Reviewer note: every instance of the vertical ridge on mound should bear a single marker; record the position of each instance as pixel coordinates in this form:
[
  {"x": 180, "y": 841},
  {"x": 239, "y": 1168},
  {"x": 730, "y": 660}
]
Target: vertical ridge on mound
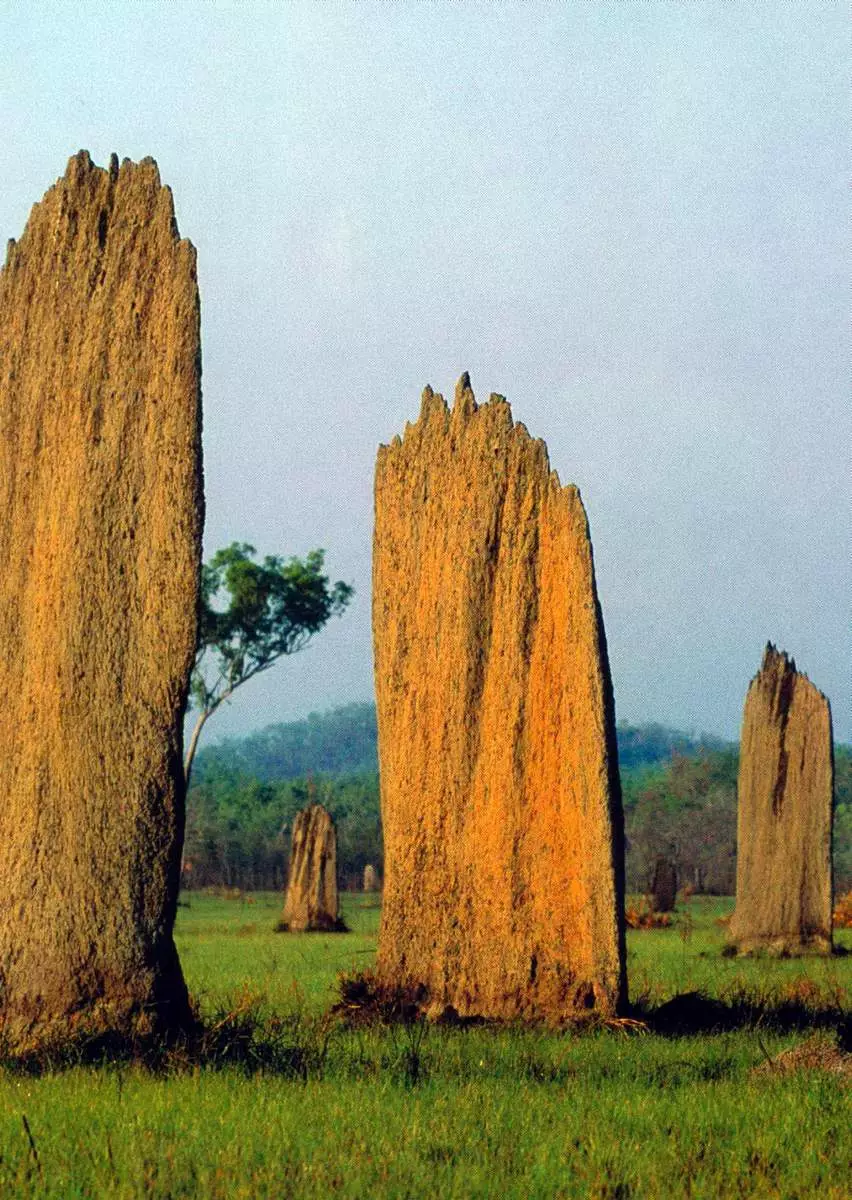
[
  {"x": 501, "y": 805},
  {"x": 101, "y": 513},
  {"x": 784, "y": 821}
]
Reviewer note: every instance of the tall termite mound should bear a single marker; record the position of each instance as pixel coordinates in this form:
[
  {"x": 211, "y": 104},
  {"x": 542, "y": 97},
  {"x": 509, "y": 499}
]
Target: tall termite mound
[
  {"x": 784, "y": 821},
  {"x": 100, "y": 541},
  {"x": 311, "y": 901},
  {"x": 501, "y": 804}
]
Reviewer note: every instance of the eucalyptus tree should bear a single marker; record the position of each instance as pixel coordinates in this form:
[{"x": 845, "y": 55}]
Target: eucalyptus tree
[{"x": 252, "y": 613}]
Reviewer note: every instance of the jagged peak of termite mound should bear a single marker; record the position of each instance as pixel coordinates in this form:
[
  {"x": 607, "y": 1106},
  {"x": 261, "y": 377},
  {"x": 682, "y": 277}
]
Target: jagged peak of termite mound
[
  {"x": 495, "y": 417},
  {"x": 784, "y": 823},
  {"x": 500, "y": 797},
  {"x": 100, "y": 542},
  {"x": 73, "y": 221}
]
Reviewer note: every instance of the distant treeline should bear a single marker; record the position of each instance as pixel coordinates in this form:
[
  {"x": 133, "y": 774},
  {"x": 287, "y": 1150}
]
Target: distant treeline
[{"x": 679, "y": 800}]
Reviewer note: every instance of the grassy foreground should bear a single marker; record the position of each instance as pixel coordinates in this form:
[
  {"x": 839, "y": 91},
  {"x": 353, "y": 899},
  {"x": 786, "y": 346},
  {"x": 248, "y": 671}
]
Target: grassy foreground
[{"x": 426, "y": 1111}]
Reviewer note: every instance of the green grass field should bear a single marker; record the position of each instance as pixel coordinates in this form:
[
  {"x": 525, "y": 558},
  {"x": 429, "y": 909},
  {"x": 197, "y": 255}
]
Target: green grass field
[{"x": 431, "y": 1111}]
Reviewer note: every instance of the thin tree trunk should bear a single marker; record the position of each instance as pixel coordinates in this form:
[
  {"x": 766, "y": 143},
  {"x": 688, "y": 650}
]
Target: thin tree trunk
[
  {"x": 203, "y": 717},
  {"x": 193, "y": 745},
  {"x": 187, "y": 771}
]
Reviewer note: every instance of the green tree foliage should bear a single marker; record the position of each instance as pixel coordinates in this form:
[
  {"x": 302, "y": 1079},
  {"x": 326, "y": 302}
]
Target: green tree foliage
[
  {"x": 251, "y": 614},
  {"x": 685, "y": 809},
  {"x": 247, "y": 792},
  {"x": 644, "y": 745},
  {"x": 842, "y": 820}
]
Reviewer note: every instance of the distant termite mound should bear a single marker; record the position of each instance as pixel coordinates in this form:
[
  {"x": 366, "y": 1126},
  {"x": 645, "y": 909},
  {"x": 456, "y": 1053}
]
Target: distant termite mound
[
  {"x": 663, "y": 890},
  {"x": 785, "y": 789},
  {"x": 501, "y": 804},
  {"x": 311, "y": 901},
  {"x": 100, "y": 542},
  {"x": 371, "y": 879}
]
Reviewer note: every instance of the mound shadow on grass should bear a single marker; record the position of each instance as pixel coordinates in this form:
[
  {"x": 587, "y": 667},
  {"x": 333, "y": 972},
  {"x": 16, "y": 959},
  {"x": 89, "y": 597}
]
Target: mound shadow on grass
[
  {"x": 693, "y": 1013},
  {"x": 249, "y": 1036},
  {"x": 327, "y": 926},
  {"x": 246, "y": 1036},
  {"x": 365, "y": 1001}
]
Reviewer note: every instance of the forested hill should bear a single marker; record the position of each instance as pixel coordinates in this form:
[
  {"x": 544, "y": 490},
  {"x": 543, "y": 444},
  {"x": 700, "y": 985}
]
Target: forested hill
[{"x": 343, "y": 741}]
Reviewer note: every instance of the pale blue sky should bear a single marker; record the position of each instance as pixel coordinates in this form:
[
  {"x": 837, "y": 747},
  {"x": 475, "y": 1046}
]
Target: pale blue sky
[{"x": 629, "y": 218}]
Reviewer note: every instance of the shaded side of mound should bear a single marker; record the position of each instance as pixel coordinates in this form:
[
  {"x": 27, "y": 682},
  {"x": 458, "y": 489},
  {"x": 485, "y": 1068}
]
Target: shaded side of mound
[
  {"x": 501, "y": 804},
  {"x": 100, "y": 542}
]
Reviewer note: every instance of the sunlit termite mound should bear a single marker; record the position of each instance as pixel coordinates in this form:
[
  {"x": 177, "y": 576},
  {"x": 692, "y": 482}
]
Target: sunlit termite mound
[{"x": 501, "y": 804}]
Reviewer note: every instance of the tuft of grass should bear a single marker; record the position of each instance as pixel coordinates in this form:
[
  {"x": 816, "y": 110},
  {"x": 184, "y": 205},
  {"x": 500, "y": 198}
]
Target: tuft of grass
[
  {"x": 820, "y": 1052},
  {"x": 843, "y": 912},
  {"x": 363, "y": 999},
  {"x": 642, "y": 915}
]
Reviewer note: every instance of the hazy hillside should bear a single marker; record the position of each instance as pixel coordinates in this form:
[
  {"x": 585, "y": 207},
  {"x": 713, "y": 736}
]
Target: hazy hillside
[
  {"x": 344, "y": 741},
  {"x": 331, "y": 743}
]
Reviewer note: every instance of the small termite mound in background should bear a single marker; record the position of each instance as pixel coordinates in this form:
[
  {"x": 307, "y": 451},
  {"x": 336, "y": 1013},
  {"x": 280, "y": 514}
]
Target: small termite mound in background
[
  {"x": 311, "y": 903},
  {"x": 663, "y": 891},
  {"x": 371, "y": 879}
]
